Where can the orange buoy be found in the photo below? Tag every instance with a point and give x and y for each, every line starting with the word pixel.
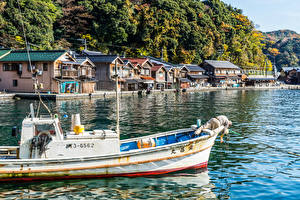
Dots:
pixel 146 143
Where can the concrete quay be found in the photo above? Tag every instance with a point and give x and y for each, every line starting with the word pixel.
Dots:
pixel 110 94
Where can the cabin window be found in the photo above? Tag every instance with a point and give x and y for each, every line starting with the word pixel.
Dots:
pixel 45 66
pixel 46 128
pixel 15 83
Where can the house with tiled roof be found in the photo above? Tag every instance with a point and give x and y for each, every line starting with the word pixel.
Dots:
pixel 159 73
pixel 171 71
pixel 105 69
pixel 222 73
pixel 131 75
pixel 49 68
pixel 145 71
pixel 195 74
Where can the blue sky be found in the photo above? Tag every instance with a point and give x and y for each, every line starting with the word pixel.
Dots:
pixel 271 15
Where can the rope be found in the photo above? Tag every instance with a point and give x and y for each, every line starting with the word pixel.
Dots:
pixel 272 147
pixel 44 103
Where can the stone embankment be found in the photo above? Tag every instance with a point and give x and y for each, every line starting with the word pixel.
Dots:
pixel 107 94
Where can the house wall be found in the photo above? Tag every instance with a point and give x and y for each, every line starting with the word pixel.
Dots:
pixel 160 75
pixel 88 87
pixel 24 80
pixel 104 71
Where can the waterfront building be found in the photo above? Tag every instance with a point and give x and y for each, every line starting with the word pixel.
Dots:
pixel 131 76
pixel 55 71
pixel 195 74
pixel 159 74
pixel 170 76
pixel 222 73
pixel 290 75
pixel 144 71
pixel 105 68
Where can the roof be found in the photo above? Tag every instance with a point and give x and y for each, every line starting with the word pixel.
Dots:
pixel 194 68
pixel 262 79
pixel 131 80
pixel 184 80
pixel 127 62
pixel 3 52
pixel 221 64
pixel 156 67
pixel 21 55
pixel 168 66
pixel 139 61
pixel 196 76
pixel 147 78
pixel 287 69
pixel 102 58
pixel 79 61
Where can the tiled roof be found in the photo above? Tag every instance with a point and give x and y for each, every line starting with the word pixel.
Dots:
pixel 221 64
pixel 184 80
pixel 194 68
pixel 147 78
pixel 21 55
pixel 196 76
pixel 102 58
pixel 262 79
pixel 156 67
pixel 4 52
pixel 79 61
pixel 139 61
pixel 168 66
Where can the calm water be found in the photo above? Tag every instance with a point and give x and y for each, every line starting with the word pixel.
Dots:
pixel 252 165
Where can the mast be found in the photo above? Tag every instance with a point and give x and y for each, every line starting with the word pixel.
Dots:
pixel 117 100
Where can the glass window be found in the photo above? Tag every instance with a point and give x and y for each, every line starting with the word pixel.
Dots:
pixel 15 83
pixel 45 66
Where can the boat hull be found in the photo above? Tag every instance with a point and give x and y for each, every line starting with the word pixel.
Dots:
pixel 142 162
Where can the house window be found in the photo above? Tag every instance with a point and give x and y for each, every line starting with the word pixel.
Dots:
pixel 29 67
pixel 45 67
pixel 11 66
pixel 15 83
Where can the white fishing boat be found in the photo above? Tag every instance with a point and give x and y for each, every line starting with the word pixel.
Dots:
pixel 46 152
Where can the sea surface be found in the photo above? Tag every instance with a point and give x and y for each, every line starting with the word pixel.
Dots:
pixel 259 161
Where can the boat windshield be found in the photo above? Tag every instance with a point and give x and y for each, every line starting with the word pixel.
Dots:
pixel 48 128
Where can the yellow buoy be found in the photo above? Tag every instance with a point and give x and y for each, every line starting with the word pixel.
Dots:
pixel 78 129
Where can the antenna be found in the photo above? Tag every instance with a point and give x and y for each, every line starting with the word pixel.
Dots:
pixel 117 100
pixel 26 43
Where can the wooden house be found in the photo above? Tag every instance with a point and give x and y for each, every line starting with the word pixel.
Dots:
pixel 49 68
pixel 170 76
pixel 143 66
pixel 105 69
pixel 131 76
pixel 159 74
pixel 222 73
pixel 291 75
pixel 195 74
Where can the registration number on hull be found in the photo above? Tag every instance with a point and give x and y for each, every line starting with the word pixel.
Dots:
pixel 80 145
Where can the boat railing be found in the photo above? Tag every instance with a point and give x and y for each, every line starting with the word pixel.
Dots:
pixel 9 151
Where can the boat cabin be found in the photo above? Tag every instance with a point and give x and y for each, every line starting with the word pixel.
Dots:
pixel 43 138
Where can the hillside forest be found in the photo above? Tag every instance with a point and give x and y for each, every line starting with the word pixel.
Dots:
pixel 179 31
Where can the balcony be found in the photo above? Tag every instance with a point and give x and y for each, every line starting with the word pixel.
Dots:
pixel 69 73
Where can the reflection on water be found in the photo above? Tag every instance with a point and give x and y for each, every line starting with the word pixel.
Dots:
pixel 241 168
pixel 186 185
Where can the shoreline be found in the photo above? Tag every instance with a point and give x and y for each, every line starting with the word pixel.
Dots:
pixel 110 94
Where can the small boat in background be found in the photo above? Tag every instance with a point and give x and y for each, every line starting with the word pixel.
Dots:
pixel 47 153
